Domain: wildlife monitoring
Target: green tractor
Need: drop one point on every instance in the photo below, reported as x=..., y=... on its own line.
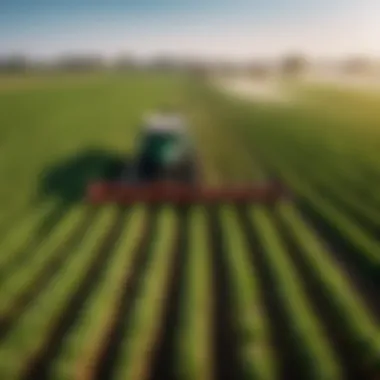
x=165, y=170
x=165, y=152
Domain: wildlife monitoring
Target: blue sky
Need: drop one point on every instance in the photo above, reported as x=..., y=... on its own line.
x=238, y=28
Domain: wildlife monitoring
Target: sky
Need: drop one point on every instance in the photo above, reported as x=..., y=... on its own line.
x=209, y=28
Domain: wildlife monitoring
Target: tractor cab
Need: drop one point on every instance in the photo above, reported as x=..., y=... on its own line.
x=162, y=146
x=163, y=136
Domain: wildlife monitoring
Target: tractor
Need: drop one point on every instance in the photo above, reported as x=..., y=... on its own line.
x=165, y=153
x=166, y=170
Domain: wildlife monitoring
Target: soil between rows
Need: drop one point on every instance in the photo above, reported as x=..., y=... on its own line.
x=338, y=338
x=162, y=366
x=363, y=277
x=224, y=341
x=38, y=366
x=106, y=362
x=41, y=281
x=290, y=360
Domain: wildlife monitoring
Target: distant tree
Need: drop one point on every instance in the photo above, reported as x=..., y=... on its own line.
x=357, y=65
x=81, y=62
x=125, y=62
x=164, y=63
x=258, y=70
x=294, y=64
x=227, y=67
x=198, y=69
x=14, y=63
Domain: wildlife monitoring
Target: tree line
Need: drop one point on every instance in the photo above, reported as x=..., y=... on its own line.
x=292, y=64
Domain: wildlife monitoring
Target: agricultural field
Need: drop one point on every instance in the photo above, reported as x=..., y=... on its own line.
x=287, y=291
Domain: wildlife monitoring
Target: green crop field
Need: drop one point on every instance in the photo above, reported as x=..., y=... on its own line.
x=288, y=291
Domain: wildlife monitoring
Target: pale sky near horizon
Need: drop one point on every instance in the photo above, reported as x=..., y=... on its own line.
x=210, y=28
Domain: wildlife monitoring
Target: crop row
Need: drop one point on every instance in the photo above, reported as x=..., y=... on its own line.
x=368, y=249
x=102, y=310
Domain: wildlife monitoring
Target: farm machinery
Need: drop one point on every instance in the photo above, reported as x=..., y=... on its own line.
x=166, y=169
